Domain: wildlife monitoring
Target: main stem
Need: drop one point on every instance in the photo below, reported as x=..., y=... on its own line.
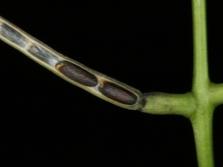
x=202, y=118
x=202, y=127
x=200, y=78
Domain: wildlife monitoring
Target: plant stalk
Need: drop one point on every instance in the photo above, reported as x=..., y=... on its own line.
x=202, y=127
x=202, y=118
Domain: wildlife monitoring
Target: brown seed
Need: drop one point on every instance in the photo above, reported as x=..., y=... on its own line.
x=117, y=93
x=77, y=74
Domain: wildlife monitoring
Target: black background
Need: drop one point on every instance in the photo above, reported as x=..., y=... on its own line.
x=148, y=45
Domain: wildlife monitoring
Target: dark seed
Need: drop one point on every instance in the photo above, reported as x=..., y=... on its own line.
x=118, y=93
x=77, y=74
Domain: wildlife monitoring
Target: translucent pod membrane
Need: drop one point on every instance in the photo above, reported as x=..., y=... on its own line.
x=43, y=54
x=72, y=71
x=12, y=35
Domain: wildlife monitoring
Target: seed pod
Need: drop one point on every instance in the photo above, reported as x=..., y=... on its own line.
x=72, y=71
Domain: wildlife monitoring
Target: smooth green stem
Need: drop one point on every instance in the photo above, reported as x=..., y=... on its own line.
x=202, y=118
x=200, y=73
x=197, y=105
x=202, y=127
x=164, y=103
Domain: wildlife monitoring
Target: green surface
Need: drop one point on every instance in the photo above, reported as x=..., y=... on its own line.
x=199, y=104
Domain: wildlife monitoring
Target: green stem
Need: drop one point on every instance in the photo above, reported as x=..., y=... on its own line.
x=202, y=127
x=164, y=103
x=216, y=94
x=200, y=77
x=202, y=118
